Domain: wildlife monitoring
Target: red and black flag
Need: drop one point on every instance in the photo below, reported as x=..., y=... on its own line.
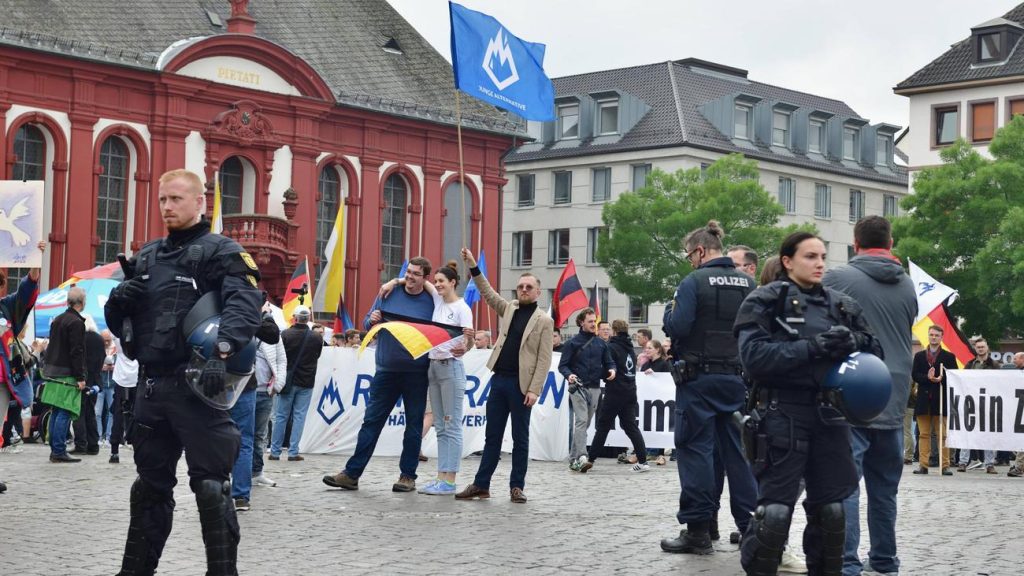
x=595, y=301
x=569, y=295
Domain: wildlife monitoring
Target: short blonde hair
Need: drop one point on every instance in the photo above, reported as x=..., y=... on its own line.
x=195, y=183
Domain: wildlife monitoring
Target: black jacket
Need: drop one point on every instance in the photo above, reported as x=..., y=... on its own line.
x=65, y=355
x=301, y=371
x=591, y=364
x=95, y=353
x=659, y=365
x=928, y=392
x=621, y=348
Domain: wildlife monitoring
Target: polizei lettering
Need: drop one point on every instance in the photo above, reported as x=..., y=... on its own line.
x=729, y=281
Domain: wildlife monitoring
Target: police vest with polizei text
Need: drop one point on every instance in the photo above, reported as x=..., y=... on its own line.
x=720, y=291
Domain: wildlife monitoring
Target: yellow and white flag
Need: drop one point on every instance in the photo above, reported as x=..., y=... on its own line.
x=332, y=281
x=217, y=219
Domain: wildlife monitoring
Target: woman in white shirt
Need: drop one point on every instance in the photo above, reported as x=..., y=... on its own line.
x=447, y=377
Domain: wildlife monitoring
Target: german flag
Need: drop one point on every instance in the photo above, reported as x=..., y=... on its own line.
x=569, y=295
x=297, y=286
x=415, y=335
x=952, y=338
x=595, y=301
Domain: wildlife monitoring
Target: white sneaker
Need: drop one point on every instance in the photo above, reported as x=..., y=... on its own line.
x=262, y=480
x=11, y=450
x=638, y=467
x=792, y=563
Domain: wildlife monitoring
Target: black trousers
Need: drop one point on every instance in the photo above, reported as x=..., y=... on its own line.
x=87, y=437
x=622, y=405
x=169, y=418
x=802, y=446
x=124, y=405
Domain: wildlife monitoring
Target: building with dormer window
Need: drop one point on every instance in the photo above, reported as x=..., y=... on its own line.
x=823, y=162
x=299, y=107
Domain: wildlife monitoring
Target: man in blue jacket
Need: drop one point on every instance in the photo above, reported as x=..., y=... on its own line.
x=585, y=361
x=876, y=280
x=398, y=375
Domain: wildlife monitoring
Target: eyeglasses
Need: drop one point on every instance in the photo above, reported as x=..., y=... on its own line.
x=525, y=287
x=689, y=256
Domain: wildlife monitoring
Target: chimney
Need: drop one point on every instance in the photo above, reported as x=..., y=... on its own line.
x=240, y=21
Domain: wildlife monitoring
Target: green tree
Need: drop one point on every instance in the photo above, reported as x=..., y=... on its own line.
x=965, y=226
x=641, y=245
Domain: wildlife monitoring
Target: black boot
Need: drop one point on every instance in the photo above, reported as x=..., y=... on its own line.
x=695, y=540
x=713, y=528
x=220, y=527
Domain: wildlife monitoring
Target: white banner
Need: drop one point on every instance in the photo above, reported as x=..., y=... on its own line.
x=986, y=409
x=342, y=390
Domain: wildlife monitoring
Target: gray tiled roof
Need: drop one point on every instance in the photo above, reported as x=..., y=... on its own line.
x=341, y=39
x=954, y=65
x=674, y=92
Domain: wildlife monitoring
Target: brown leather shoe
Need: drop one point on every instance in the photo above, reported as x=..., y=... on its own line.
x=342, y=480
x=472, y=492
x=295, y=458
x=517, y=496
x=404, y=484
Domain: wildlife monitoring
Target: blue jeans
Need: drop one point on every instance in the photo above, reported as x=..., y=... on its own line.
x=505, y=400
x=878, y=455
x=385, y=390
x=60, y=420
x=264, y=406
x=294, y=402
x=447, y=397
x=244, y=415
x=105, y=412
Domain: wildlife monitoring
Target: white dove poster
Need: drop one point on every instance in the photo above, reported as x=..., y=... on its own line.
x=21, y=223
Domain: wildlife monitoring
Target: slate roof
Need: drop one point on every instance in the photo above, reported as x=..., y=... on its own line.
x=674, y=92
x=341, y=39
x=954, y=65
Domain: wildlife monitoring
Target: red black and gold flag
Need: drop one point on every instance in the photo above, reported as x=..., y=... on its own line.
x=415, y=335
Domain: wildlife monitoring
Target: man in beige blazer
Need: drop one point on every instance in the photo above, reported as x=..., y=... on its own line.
x=520, y=361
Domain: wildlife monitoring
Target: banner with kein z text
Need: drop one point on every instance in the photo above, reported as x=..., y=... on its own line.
x=986, y=409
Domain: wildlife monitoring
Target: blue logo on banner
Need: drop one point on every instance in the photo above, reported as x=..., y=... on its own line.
x=330, y=407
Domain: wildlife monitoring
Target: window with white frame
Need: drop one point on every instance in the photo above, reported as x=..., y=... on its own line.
x=607, y=116
x=816, y=136
x=602, y=183
x=822, y=201
x=637, y=311
x=883, y=150
x=563, y=187
x=331, y=198
x=112, y=200
x=568, y=121
x=231, y=181
x=593, y=234
x=558, y=246
x=640, y=174
x=525, y=190
x=742, y=121
x=851, y=143
x=780, y=128
x=392, y=229
x=787, y=194
x=889, y=206
x=522, y=248
x=856, y=205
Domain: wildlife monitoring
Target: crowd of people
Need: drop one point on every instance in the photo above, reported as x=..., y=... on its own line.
x=735, y=344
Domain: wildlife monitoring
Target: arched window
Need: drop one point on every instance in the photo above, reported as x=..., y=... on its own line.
x=393, y=225
x=453, y=206
x=112, y=200
x=231, y=186
x=29, y=164
x=326, y=213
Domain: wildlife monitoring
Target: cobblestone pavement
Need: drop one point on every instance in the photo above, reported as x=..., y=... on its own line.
x=72, y=518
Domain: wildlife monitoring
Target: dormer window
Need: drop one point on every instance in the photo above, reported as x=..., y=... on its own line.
x=816, y=136
x=990, y=47
x=851, y=143
x=883, y=150
x=608, y=116
x=568, y=121
x=780, y=128
x=743, y=121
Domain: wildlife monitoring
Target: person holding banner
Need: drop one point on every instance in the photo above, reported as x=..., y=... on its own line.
x=929, y=371
x=791, y=333
x=520, y=362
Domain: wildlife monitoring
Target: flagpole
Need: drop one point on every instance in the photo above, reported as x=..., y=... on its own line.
x=462, y=171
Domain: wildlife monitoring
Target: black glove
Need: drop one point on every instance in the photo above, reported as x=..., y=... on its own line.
x=212, y=378
x=836, y=343
x=128, y=294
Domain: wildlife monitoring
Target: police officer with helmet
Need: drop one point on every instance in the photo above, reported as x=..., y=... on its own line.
x=192, y=366
x=792, y=333
x=709, y=389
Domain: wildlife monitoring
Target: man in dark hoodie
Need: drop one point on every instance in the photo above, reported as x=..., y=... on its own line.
x=585, y=361
x=619, y=400
x=876, y=280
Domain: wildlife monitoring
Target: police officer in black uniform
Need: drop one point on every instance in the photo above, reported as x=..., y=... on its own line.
x=709, y=389
x=791, y=333
x=146, y=311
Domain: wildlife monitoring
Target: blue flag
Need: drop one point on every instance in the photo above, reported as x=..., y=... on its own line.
x=472, y=295
x=494, y=66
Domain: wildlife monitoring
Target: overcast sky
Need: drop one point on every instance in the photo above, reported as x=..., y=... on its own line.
x=853, y=51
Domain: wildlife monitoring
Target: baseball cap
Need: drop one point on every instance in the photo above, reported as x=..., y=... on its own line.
x=301, y=312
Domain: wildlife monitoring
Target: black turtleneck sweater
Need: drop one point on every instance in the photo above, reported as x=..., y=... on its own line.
x=177, y=238
x=508, y=361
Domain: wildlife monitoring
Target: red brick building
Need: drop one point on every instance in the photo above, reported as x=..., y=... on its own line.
x=300, y=107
